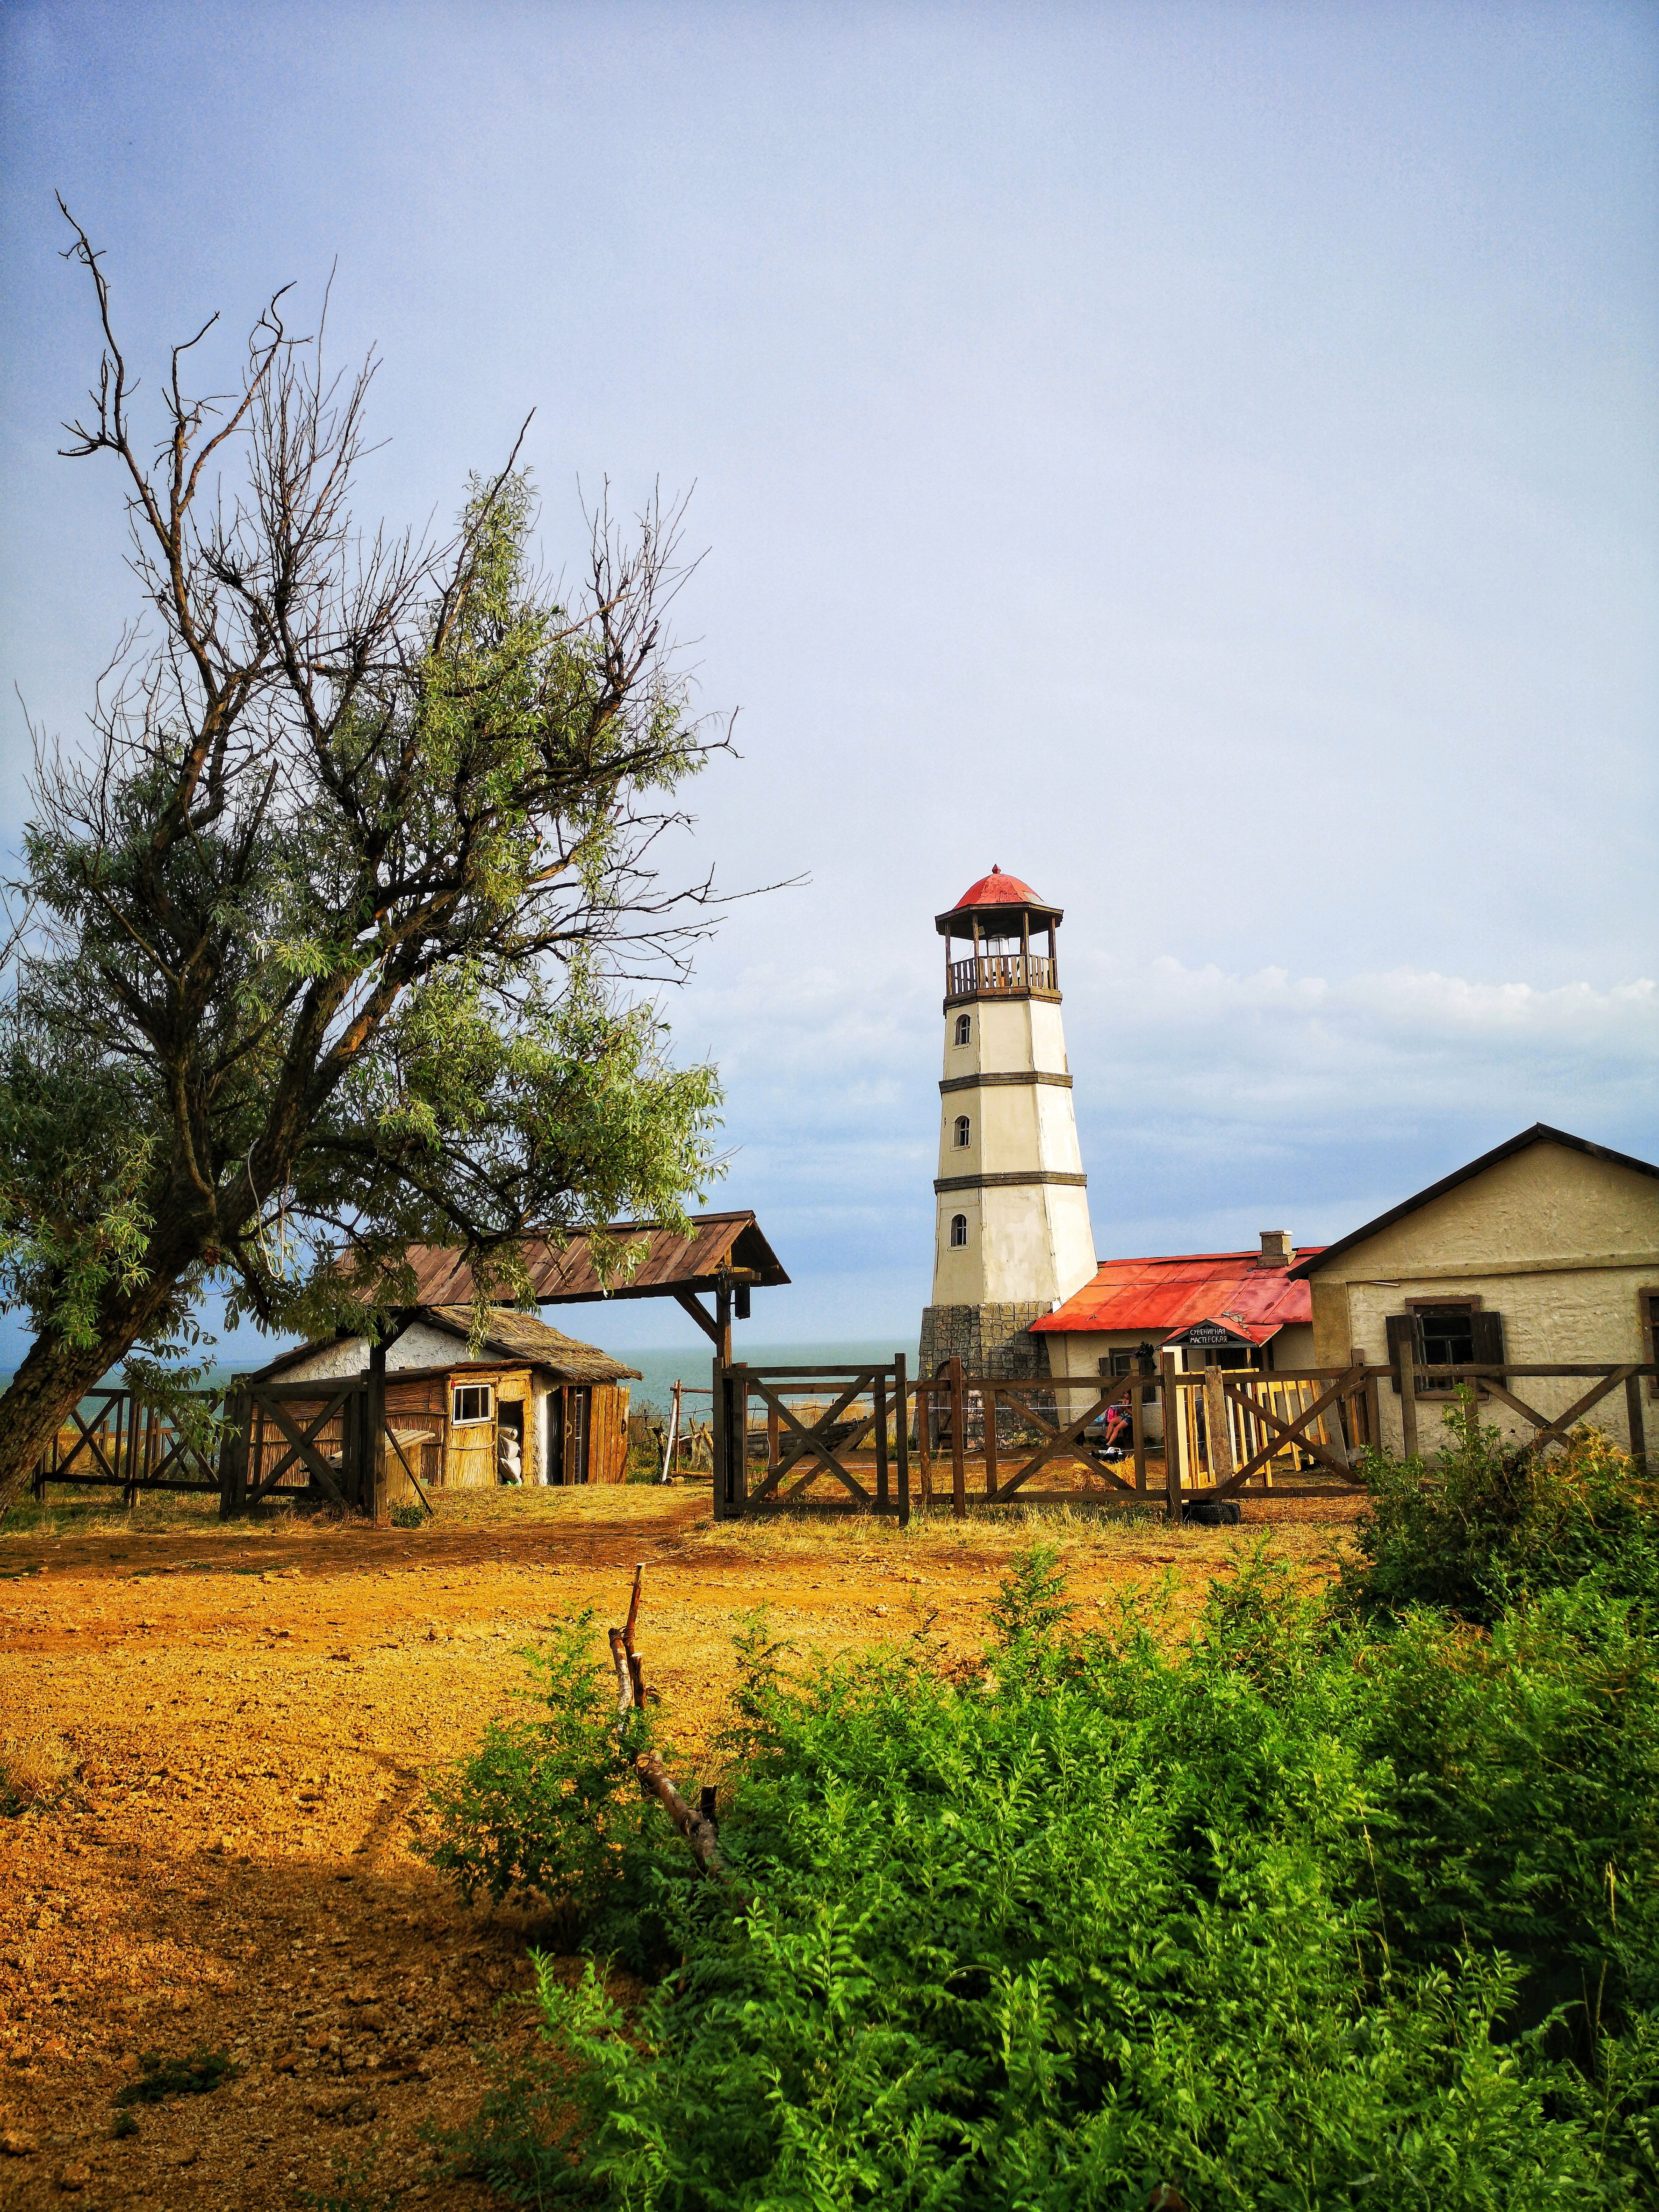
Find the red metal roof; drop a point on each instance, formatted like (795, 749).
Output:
(997, 889)
(1159, 1296)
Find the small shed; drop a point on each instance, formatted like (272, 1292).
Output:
(530, 1405)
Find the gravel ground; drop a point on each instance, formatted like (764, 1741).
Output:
(229, 1726)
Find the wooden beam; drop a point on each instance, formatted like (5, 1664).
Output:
(901, 1440)
(1408, 1446)
(959, 1410)
(691, 1304)
(1172, 1438)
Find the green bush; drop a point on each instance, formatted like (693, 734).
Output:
(409, 1516)
(1311, 1913)
(162, 2074)
(1482, 1525)
(549, 1804)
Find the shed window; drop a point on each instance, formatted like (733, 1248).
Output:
(471, 1402)
(965, 1029)
(962, 1131)
(958, 1229)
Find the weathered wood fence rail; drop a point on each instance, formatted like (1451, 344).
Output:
(273, 1441)
(1208, 1435)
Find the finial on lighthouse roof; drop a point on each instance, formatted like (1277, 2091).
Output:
(995, 868)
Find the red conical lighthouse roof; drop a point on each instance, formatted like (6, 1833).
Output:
(997, 889)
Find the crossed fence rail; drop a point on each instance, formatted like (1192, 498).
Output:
(1219, 1431)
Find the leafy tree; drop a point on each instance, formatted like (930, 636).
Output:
(323, 943)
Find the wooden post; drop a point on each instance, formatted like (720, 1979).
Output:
(1218, 1436)
(1137, 1429)
(1639, 1442)
(1373, 1414)
(773, 1432)
(232, 1453)
(1174, 1438)
(1407, 1396)
(901, 1439)
(878, 1382)
(958, 1442)
(989, 1396)
(374, 1474)
(924, 1441)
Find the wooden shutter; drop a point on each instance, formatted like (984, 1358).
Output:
(1488, 1337)
(1402, 1329)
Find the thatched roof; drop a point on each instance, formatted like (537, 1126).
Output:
(515, 1335)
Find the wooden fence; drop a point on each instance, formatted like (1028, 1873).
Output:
(274, 1441)
(1218, 1431)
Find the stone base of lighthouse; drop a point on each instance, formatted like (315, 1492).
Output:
(994, 1340)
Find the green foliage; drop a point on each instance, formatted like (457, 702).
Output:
(1307, 1912)
(408, 1516)
(353, 2188)
(324, 942)
(1482, 1524)
(162, 2074)
(551, 1803)
(126, 2124)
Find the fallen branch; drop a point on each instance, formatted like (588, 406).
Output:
(695, 1827)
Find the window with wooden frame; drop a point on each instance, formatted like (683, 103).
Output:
(963, 1132)
(1647, 1303)
(1445, 1333)
(965, 1029)
(470, 1403)
(958, 1229)
(1116, 1364)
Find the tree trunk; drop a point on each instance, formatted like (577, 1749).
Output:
(55, 1376)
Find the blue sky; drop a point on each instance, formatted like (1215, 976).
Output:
(1202, 460)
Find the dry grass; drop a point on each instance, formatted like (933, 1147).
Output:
(35, 1771)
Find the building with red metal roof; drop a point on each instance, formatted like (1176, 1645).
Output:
(1212, 1309)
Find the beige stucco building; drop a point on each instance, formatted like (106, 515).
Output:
(1546, 1250)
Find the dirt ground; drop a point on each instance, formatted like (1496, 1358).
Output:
(242, 1717)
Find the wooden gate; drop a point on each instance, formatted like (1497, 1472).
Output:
(123, 1442)
(798, 1451)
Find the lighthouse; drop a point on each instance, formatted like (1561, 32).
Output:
(1012, 1235)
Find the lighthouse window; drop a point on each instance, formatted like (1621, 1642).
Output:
(958, 1229)
(962, 1131)
(964, 1028)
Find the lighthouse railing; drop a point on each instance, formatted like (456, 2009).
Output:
(1001, 972)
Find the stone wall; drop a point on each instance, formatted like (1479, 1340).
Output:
(991, 1340)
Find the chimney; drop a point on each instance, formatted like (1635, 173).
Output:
(1275, 1249)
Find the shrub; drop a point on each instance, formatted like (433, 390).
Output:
(162, 2074)
(549, 1804)
(409, 1516)
(1272, 1917)
(1482, 1525)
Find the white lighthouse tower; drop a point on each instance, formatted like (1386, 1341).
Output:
(1011, 1236)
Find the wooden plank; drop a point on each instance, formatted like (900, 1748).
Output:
(881, 1439)
(988, 1401)
(1217, 1434)
(1172, 1438)
(1138, 1434)
(1407, 1381)
(1287, 1433)
(301, 1446)
(374, 1472)
(901, 1440)
(958, 1442)
(1066, 1441)
(808, 1440)
(1556, 1432)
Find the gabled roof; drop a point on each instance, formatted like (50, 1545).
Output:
(519, 1337)
(1540, 1133)
(525, 1336)
(717, 1242)
(1158, 1296)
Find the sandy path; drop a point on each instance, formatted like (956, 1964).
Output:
(250, 1712)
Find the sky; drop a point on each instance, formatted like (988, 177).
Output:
(1200, 460)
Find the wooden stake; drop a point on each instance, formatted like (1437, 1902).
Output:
(1407, 1396)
